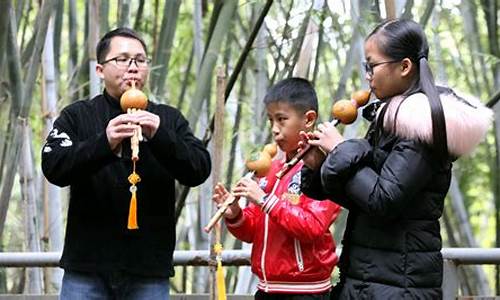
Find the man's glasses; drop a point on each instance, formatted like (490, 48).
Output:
(126, 62)
(369, 67)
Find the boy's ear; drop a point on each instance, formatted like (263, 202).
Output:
(310, 118)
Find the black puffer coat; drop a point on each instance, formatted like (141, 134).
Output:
(394, 188)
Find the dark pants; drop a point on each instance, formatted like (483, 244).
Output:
(112, 286)
(260, 295)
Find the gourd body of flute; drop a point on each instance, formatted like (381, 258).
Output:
(133, 98)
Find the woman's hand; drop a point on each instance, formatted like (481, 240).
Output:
(326, 136)
(314, 158)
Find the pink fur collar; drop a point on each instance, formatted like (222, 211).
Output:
(466, 126)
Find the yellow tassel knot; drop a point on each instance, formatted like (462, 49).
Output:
(134, 178)
(221, 285)
(218, 248)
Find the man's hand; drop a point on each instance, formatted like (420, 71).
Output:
(122, 126)
(148, 121)
(119, 128)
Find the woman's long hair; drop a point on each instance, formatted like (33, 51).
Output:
(399, 39)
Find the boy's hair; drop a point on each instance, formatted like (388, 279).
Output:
(297, 92)
(399, 39)
(102, 48)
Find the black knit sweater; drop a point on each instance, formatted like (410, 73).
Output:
(77, 153)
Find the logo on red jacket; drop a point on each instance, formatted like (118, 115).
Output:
(293, 191)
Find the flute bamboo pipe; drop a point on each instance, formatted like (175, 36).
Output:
(343, 111)
(258, 167)
(222, 209)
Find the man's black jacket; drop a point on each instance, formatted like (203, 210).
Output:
(77, 153)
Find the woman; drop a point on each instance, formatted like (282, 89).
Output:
(395, 180)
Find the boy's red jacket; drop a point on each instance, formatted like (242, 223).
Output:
(293, 250)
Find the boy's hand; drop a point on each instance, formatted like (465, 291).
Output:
(220, 196)
(249, 189)
(315, 156)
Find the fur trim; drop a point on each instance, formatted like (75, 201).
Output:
(467, 122)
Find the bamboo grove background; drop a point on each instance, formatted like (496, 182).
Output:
(47, 58)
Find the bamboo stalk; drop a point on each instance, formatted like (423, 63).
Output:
(93, 38)
(239, 64)
(163, 50)
(211, 54)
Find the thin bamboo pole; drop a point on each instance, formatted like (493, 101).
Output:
(390, 9)
(215, 238)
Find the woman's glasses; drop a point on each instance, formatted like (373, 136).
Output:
(369, 67)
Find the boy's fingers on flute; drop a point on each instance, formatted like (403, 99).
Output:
(247, 182)
(219, 187)
(240, 191)
(216, 198)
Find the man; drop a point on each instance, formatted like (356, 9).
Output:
(89, 150)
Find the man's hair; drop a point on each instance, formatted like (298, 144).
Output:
(102, 48)
(297, 92)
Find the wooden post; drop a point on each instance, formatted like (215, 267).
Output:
(390, 9)
(218, 135)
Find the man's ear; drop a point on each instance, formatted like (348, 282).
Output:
(406, 67)
(310, 117)
(98, 70)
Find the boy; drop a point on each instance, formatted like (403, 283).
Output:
(293, 251)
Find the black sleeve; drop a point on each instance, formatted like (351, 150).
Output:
(385, 193)
(66, 156)
(340, 165)
(310, 184)
(179, 151)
